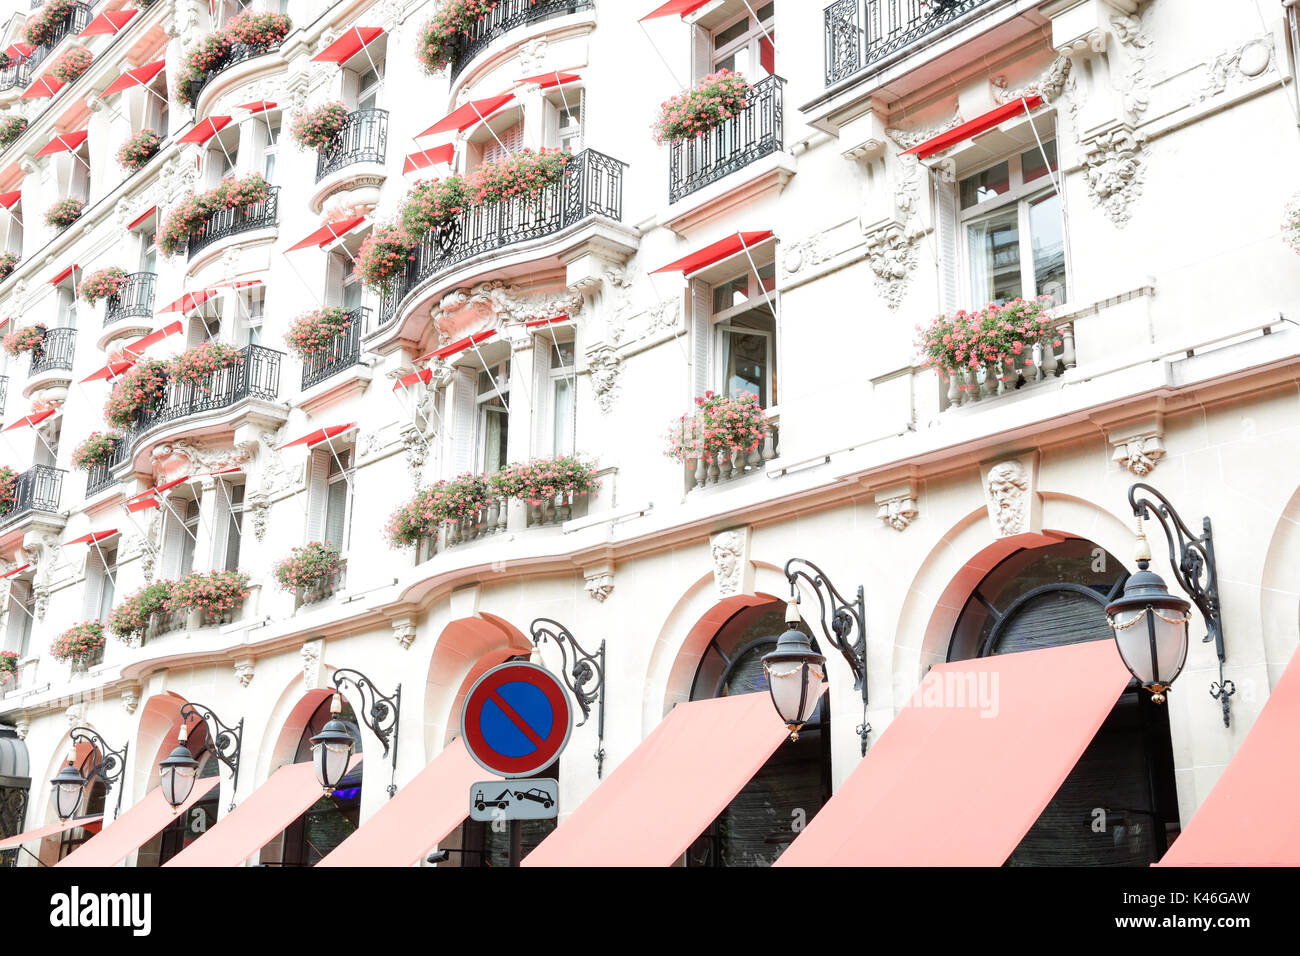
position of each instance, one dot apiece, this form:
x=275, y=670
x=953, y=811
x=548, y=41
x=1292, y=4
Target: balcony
x=860, y=33
x=134, y=299
x=36, y=489
x=506, y=16
x=239, y=52
x=1045, y=361
x=230, y=222
x=732, y=145
x=342, y=353
x=592, y=186
x=363, y=139
x=55, y=352
x=74, y=21
x=100, y=476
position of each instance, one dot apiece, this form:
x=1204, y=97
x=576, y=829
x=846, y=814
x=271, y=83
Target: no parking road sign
x=516, y=719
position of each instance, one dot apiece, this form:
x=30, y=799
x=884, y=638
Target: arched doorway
x=93, y=794
x=199, y=818
x=1118, y=806
x=772, y=809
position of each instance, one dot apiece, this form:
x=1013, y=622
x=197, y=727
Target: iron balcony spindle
x=755, y=132
x=363, y=139
x=133, y=299
x=36, y=489
x=55, y=351
x=343, y=352
x=859, y=33
x=100, y=476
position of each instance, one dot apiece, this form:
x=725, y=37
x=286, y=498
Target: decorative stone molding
x=1114, y=170
x=244, y=670
x=1049, y=86
x=1135, y=90
x=1011, y=497
x=171, y=459
x=22, y=724
x=600, y=581
x=416, y=445
x=1246, y=61
x=259, y=507
x=891, y=250
x=29, y=166
x=76, y=713
x=896, y=506
x=1093, y=42
x=311, y=664
x=730, y=552
x=807, y=253
x=532, y=56
x=506, y=304
x=274, y=475
x=604, y=366
x=130, y=698
x=404, y=631
x=1139, y=445
x=908, y=138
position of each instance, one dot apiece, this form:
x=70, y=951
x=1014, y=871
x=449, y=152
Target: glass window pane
x=563, y=405
x=1047, y=239
x=766, y=12
x=336, y=512
x=746, y=363
x=495, y=434
x=1031, y=162
x=995, y=258
x=984, y=186
x=731, y=294
x=732, y=33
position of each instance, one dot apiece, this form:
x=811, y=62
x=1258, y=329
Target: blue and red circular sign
x=516, y=719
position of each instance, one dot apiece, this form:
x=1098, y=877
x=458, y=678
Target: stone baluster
x=713, y=471
x=1067, y=344
x=565, y=511
x=769, y=443
x=501, y=514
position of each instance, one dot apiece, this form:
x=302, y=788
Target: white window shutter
x=351, y=87
x=173, y=544
x=701, y=297
x=220, y=524
x=542, y=430
x=18, y=595
x=94, y=587
x=335, y=273
x=701, y=53
x=318, y=471
x=465, y=424
x=948, y=227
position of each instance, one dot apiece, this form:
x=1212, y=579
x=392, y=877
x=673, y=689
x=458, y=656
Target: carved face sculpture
x=1007, y=485
x=169, y=462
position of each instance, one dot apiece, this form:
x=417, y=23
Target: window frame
x=345, y=461
x=721, y=326
x=498, y=391
x=569, y=375
x=751, y=41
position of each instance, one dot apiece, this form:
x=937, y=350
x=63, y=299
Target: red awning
x=8, y=199
x=64, y=274
x=111, y=370
x=965, y=769
x=722, y=249
x=153, y=338
x=981, y=124
x=108, y=22
x=670, y=788
x=19, y=50
x=189, y=301
x=204, y=131
x=348, y=45
x=45, y=86
x=1249, y=818
x=137, y=77
x=328, y=233
x=420, y=815
x=149, y=497
x=91, y=823
x=318, y=436
x=93, y=537
x=257, y=821
x=18, y=570
x=548, y=80
x=429, y=157
x=472, y=113
x=257, y=106
x=672, y=8
x=35, y=418
x=142, y=217
x=65, y=143
x=406, y=381
x=458, y=346
x=538, y=323
x=134, y=828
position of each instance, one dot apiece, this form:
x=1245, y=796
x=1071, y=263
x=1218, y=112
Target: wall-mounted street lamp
x=178, y=771
x=379, y=712
x=585, y=678
x=69, y=784
x=224, y=741
x=331, y=749
x=795, y=670
x=1149, y=623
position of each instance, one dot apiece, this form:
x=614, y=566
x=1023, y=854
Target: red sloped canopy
x=64, y=274
x=153, y=338
x=64, y=143
x=94, y=536
x=142, y=217
x=965, y=769
x=971, y=129
x=348, y=45
x=17, y=570
x=45, y=86
x=459, y=345
x=328, y=233
x=1249, y=818
x=257, y=106
x=472, y=113
x=189, y=301
x=683, y=8
x=111, y=370
x=108, y=22
x=10, y=198
x=420, y=814
x=406, y=381
x=538, y=323
x=548, y=80
x=91, y=823
x=134, y=828
x=318, y=436
x=722, y=249
x=204, y=131
x=429, y=157
x=137, y=77
x=19, y=50
x=35, y=418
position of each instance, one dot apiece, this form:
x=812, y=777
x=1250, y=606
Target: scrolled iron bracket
x=379, y=712
x=224, y=742
x=585, y=677
x=111, y=764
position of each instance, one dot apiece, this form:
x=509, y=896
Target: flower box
x=383, y=256
x=42, y=25
x=8, y=262
x=708, y=104
x=26, y=339
x=436, y=45
x=310, y=571
x=315, y=331
x=198, y=366
x=525, y=173
x=95, y=450
x=998, y=337
x=80, y=644
x=11, y=127
x=317, y=128
x=8, y=667
x=214, y=595
x=64, y=213
x=141, y=388
x=138, y=149
x=132, y=620
x=208, y=56
x=259, y=30
x=721, y=429
x=102, y=284
x=73, y=62
x=8, y=488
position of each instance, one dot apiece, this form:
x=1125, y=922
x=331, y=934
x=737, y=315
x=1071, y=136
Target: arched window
x=1118, y=806
x=198, y=819
x=333, y=818
x=792, y=786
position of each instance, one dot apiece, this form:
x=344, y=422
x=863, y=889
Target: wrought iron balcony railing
x=55, y=351
x=506, y=16
x=100, y=476
x=343, y=352
x=74, y=21
x=239, y=52
x=363, y=139
x=862, y=32
x=755, y=132
x=36, y=489
x=592, y=186
x=229, y=222
x=257, y=376
x=133, y=299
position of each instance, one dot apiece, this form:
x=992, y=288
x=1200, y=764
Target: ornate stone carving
x=1141, y=455
x=896, y=510
x=416, y=445
x=259, y=507
x=244, y=670
x=891, y=250
x=532, y=56
x=1008, y=498
x=507, y=304
x=1049, y=86
x=311, y=666
x=605, y=366
x=728, y=550
x=600, y=582
x=22, y=724
x=175, y=458
x=130, y=699
x=404, y=631
x=274, y=475
x=1113, y=168
x=76, y=713
x=805, y=254
x=1135, y=88
x=909, y=138
x=1248, y=60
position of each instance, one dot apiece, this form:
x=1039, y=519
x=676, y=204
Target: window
x=268, y=137
x=252, y=306
x=369, y=84
x=46, y=451
x=562, y=380
x=230, y=524
x=492, y=397
x=1015, y=236
x=14, y=232
x=569, y=120
x=183, y=533
x=503, y=144
x=745, y=336
x=21, y=606
x=147, y=238
x=79, y=173
x=155, y=105
x=745, y=45
x=101, y=574
x=329, y=515
x=66, y=305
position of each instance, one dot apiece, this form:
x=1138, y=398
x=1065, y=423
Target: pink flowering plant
x=8, y=666
x=317, y=128
x=11, y=127
x=41, y=25
x=215, y=593
x=1290, y=223
x=712, y=101
x=417, y=519
x=543, y=478
x=96, y=449
x=141, y=388
x=206, y=58
x=27, y=339
x=130, y=619
x=198, y=366
x=997, y=335
x=315, y=331
x=189, y=216
x=138, y=149
x=231, y=193
x=310, y=566
x=430, y=203
x=64, y=213
x=260, y=30
x=383, y=256
x=720, y=427
x=8, y=262
x=525, y=173
x=436, y=46
x=73, y=62
x=102, y=283
x=79, y=643
x=8, y=487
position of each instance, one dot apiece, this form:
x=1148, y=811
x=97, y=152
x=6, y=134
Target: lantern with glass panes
x=332, y=748
x=68, y=784
x=177, y=772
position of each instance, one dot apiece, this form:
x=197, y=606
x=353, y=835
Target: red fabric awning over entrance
x=328, y=232
x=447, y=351
x=108, y=22
x=1249, y=818
x=137, y=77
x=204, y=131
x=967, y=766
x=91, y=823
x=973, y=128
x=257, y=821
x=668, y=790
x=10, y=198
x=472, y=113
x=135, y=828
x=45, y=86
x=65, y=143
x=682, y=8
x=716, y=252
x=35, y=418
x=420, y=815
x=429, y=157
x=348, y=45
x=318, y=436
